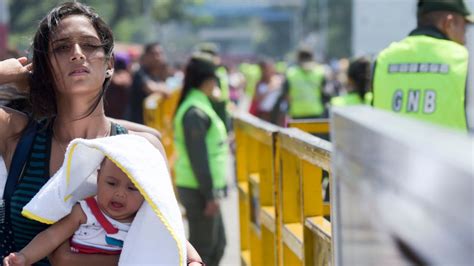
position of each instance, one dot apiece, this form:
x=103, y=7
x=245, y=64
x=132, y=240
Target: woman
x=201, y=165
x=358, y=79
x=72, y=66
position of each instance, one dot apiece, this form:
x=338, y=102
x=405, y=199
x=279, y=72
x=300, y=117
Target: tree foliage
x=130, y=19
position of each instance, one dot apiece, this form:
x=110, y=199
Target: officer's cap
x=208, y=47
x=456, y=6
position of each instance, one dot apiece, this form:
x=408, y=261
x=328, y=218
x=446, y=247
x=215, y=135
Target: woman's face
x=208, y=86
x=77, y=57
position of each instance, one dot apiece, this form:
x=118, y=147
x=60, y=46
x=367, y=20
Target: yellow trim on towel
x=35, y=217
x=67, y=197
x=68, y=167
x=153, y=206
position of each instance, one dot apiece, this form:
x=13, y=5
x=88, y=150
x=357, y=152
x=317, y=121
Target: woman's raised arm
x=14, y=70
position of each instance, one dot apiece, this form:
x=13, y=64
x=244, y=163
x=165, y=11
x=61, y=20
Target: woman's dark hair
x=359, y=73
x=42, y=82
x=199, y=69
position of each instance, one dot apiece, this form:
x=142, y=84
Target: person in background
x=424, y=76
x=236, y=85
x=251, y=73
x=150, y=78
x=221, y=70
x=303, y=87
x=222, y=102
x=118, y=94
x=358, y=80
x=267, y=91
x=202, y=158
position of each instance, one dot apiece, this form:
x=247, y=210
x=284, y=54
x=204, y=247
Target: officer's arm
x=326, y=97
x=195, y=126
x=371, y=86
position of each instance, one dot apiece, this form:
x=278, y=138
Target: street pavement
x=229, y=207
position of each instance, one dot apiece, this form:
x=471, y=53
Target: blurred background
x=243, y=29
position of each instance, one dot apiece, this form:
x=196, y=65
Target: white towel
x=156, y=236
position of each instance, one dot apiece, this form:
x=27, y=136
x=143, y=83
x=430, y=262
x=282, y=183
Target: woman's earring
x=108, y=73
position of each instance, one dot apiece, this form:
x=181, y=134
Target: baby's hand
x=14, y=259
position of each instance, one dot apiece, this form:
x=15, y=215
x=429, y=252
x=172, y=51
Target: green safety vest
x=368, y=98
x=215, y=142
x=305, y=92
x=221, y=73
x=425, y=78
x=281, y=67
x=346, y=100
x=252, y=75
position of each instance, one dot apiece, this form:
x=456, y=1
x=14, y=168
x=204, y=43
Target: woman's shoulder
x=12, y=122
x=13, y=117
x=131, y=126
x=152, y=139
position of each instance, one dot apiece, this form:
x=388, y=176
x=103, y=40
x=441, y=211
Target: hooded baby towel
x=156, y=235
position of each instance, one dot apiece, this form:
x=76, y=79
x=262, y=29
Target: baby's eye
x=110, y=183
x=132, y=189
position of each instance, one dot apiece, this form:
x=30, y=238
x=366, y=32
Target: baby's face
x=116, y=194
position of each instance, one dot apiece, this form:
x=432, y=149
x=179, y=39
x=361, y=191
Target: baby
x=97, y=224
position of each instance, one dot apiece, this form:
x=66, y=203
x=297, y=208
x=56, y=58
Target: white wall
x=470, y=46
x=377, y=23
x=4, y=14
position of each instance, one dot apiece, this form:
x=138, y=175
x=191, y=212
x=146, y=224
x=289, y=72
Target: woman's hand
x=193, y=258
x=15, y=71
x=64, y=256
x=212, y=208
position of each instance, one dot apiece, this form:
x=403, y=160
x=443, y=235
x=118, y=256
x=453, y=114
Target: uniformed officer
x=303, y=86
x=221, y=104
x=221, y=71
x=358, y=79
x=202, y=157
x=424, y=75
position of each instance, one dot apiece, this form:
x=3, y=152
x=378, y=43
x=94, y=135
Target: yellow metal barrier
x=158, y=114
x=279, y=172
x=255, y=157
x=306, y=235
x=312, y=126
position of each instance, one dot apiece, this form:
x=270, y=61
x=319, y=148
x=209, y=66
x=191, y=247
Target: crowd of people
x=77, y=86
